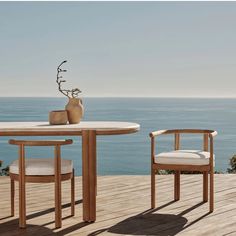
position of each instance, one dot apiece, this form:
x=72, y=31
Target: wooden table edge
x=68, y=133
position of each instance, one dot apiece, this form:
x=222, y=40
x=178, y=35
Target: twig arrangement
x=73, y=93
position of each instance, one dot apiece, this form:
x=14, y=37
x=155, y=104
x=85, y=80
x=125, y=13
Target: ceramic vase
x=58, y=117
x=75, y=110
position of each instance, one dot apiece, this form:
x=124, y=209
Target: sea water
x=130, y=154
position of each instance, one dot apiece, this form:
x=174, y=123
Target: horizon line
x=121, y=97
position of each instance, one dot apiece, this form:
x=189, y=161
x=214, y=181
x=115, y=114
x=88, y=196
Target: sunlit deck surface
x=123, y=208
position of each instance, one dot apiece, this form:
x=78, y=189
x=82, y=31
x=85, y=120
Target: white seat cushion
x=41, y=166
x=184, y=157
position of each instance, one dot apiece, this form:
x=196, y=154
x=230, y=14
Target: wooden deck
x=123, y=208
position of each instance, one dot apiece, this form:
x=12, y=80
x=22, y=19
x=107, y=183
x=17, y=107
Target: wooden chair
x=184, y=160
x=41, y=170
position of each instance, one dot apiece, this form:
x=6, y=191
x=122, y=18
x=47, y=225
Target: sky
x=119, y=49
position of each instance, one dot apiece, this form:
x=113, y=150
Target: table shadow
x=152, y=223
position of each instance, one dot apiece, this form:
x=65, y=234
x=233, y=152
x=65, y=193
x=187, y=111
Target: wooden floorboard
x=123, y=208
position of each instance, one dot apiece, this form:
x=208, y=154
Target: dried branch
x=73, y=93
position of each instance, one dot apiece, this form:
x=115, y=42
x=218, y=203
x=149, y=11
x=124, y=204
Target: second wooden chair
x=41, y=170
x=185, y=160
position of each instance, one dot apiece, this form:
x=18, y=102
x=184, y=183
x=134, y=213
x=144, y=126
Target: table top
x=44, y=129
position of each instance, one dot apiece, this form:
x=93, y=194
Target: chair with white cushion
x=41, y=170
x=184, y=160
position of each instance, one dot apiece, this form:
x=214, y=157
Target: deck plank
x=123, y=208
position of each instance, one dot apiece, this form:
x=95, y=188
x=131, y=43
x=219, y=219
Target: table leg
x=89, y=175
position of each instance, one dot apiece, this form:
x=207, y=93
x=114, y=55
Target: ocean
x=130, y=154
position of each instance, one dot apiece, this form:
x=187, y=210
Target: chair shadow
x=151, y=223
x=45, y=211
x=36, y=214
x=148, y=222
x=40, y=229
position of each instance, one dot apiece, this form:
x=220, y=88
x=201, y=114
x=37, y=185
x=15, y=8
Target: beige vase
x=75, y=110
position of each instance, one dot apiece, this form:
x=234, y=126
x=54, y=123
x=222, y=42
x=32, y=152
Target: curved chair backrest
x=184, y=131
x=40, y=142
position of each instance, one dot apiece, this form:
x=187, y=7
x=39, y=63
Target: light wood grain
x=85, y=173
x=92, y=174
x=22, y=178
x=123, y=208
x=89, y=175
x=22, y=204
x=177, y=172
x=44, y=129
x=40, y=142
x=183, y=131
x=205, y=169
x=88, y=130
x=57, y=160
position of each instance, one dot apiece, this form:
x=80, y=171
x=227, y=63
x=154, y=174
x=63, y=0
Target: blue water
x=130, y=154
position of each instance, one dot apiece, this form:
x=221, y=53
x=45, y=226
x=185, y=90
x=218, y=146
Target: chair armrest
x=213, y=134
x=40, y=142
x=156, y=133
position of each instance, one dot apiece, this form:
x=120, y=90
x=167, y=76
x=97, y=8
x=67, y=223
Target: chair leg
x=58, y=219
x=12, y=197
x=153, y=188
x=73, y=194
x=58, y=213
x=211, y=191
x=96, y=185
x=205, y=186
x=22, y=205
x=177, y=186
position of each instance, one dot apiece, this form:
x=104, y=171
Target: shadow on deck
x=123, y=209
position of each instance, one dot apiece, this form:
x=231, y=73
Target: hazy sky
x=119, y=48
